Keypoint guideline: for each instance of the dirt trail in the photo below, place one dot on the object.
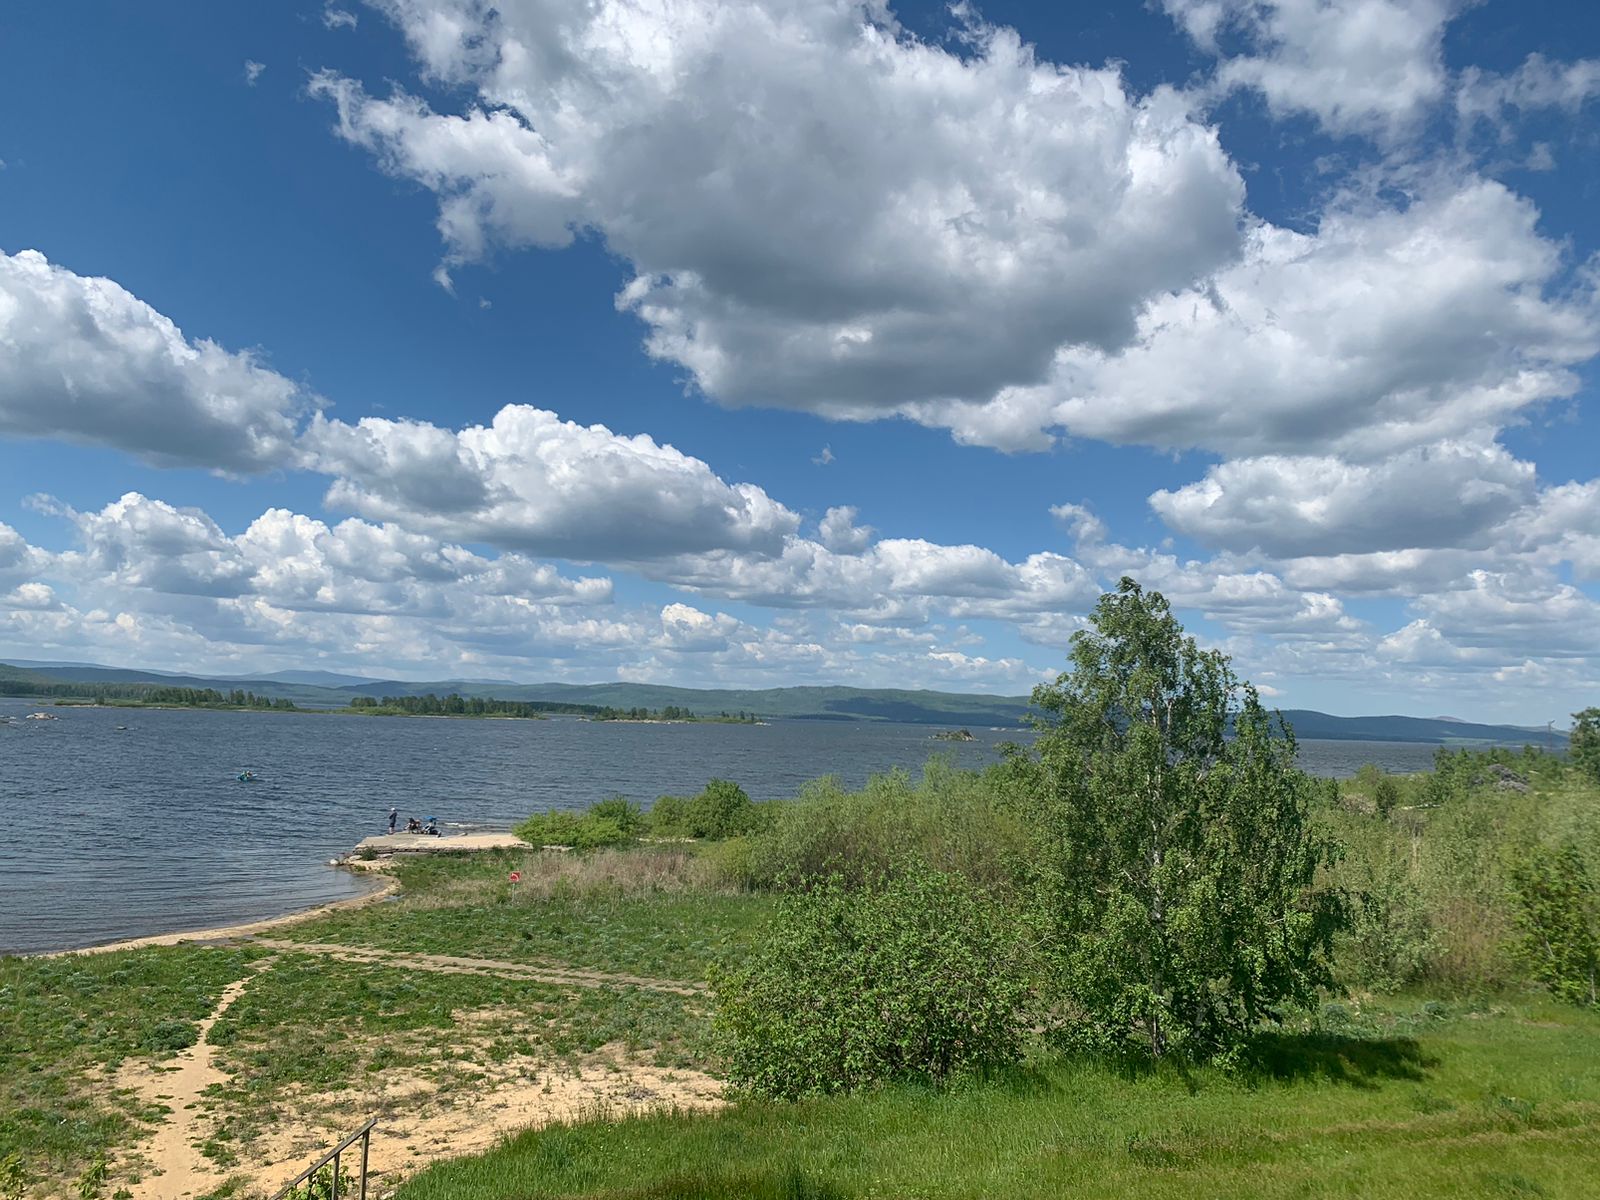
(176, 1168)
(453, 965)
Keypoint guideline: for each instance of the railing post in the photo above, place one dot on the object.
(335, 1159)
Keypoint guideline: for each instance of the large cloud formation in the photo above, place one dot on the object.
(820, 210)
(1385, 328)
(84, 360)
(298, 562)
(531, 481)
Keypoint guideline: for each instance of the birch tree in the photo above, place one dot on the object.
(1180, 850)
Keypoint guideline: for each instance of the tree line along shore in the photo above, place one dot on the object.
(143, 695)
(1144, 955)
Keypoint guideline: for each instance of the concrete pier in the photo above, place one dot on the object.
(427, 843)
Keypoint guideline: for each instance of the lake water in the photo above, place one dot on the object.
(127, 822)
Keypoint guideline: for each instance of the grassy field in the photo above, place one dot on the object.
(647, 911)
(1407, 1101)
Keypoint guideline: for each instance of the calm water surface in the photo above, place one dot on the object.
(126, 822)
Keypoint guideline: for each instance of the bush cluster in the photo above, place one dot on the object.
(581, 831)
(956, 821)
(912, 974)
(1475, 880)
(722, 810)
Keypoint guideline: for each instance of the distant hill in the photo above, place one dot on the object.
(326, 689)
(1444, 731)
(328, 679)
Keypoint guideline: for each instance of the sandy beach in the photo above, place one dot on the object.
(382, 888)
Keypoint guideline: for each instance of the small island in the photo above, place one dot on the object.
(453, 705)
(456, 705)
(674, 714)
(954, 735)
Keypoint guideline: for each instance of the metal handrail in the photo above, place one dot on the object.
(364, 1135)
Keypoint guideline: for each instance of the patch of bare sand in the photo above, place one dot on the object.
(171, 1164)
(420, 1122)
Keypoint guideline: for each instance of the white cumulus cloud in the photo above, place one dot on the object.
(820, 210)
(530, 481)
(1370, 67)
(1386, 328)
(1447, 495)
(83, 360)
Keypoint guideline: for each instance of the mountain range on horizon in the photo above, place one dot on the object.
(328, 689)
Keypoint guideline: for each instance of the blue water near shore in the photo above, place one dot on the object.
(127, 822)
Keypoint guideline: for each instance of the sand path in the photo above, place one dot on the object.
(176, 1167)
(454, 965)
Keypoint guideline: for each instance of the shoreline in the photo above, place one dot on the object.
(371, 872)
(384, 888)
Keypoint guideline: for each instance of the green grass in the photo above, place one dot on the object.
(65, 1026)
(1406, 1105)
(463, 905)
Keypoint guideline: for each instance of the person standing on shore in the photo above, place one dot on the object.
(394, 815)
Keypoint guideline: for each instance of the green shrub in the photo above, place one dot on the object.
(669, 816)
(581, 831)
(1386, 796)
(1585, 749)
(624, 813)
(1390, 942)
(731, 863)
(168, 1036)
(912, 975)
(1558, 915)
(13, 1177)
(722, 810)
(318, 1187)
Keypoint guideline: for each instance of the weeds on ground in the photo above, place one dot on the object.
(67, 1023)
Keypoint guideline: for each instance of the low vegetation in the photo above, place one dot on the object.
(915, 975)
(68, 1024)
(673, 713)
(657, 911)
(454, 705)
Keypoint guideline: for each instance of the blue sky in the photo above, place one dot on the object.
(806, 342)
